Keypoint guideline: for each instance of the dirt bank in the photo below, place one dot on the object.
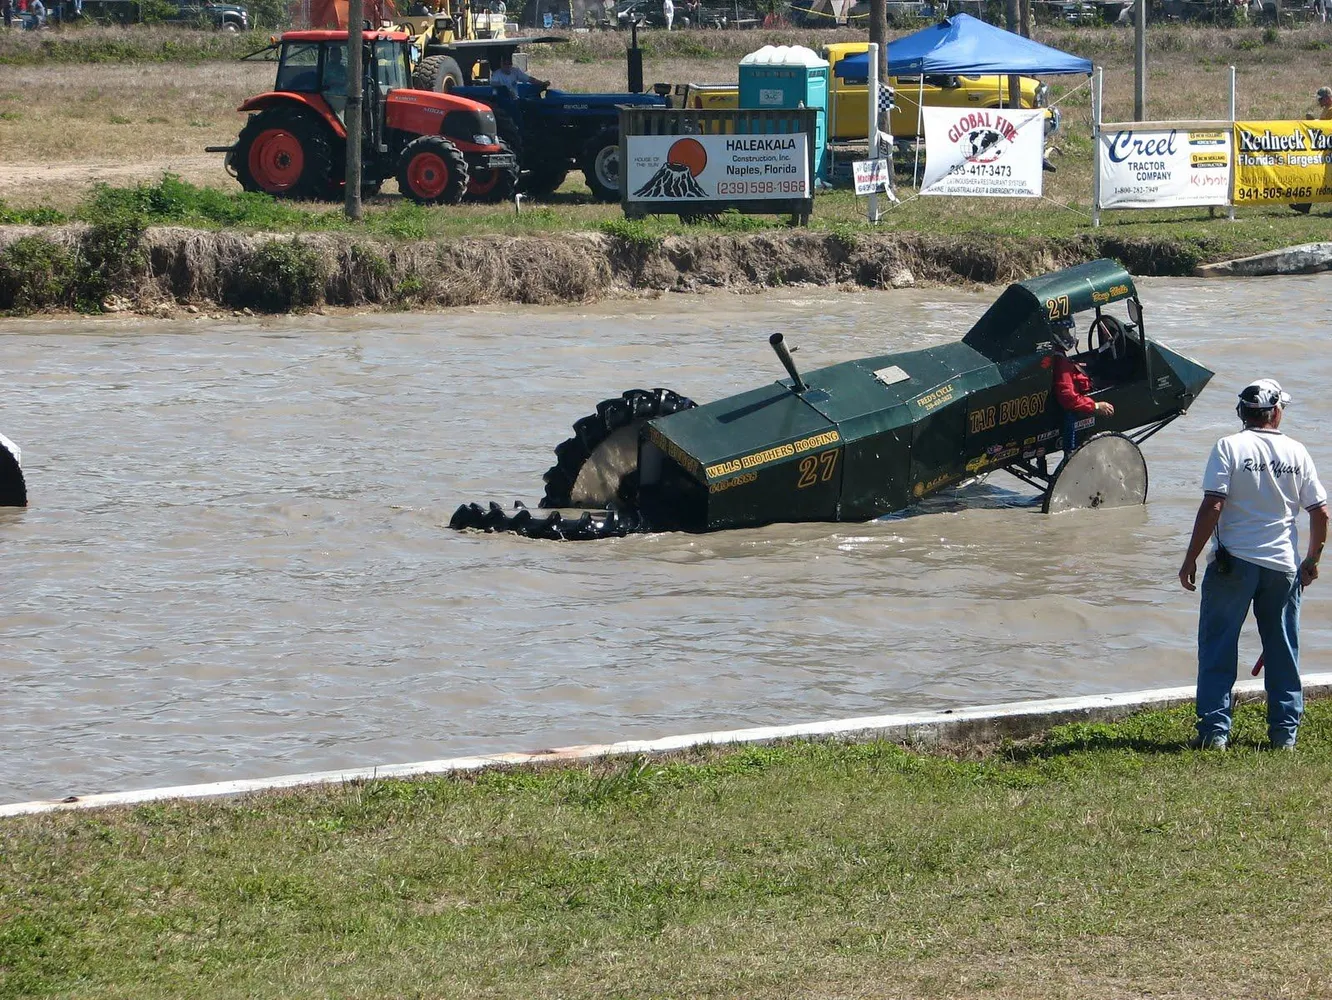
(161, 269)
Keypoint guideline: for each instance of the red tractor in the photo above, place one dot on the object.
(441, 148)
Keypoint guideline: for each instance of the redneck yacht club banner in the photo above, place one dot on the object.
(717, 167)
(1163, 168)
(984, 152)
(1283, 161)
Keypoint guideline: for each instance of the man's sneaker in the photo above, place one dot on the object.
(1213, 742)
(1282, 745)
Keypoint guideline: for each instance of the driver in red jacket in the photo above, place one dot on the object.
(1071, 381)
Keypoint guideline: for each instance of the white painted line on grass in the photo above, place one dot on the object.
(1013, 719)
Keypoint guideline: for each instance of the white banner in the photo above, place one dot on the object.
(717, 167)
(870, 175)
(1163, 168)
(983, 152)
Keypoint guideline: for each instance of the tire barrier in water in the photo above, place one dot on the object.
(598, 466)
(555, 526)
(13, 491)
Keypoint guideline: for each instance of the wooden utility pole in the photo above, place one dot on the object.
(1024, 18)
(1140, 62)
(878, 33)
(355, 70)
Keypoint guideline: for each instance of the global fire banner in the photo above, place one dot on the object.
(1163, 168)
(717, 167)
(1283, 161)
(983, 152)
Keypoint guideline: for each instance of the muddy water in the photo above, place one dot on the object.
(236, 561)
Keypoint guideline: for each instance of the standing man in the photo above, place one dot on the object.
(1254, 485)
(668, 12)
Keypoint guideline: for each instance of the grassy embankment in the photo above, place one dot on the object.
(64, 123)
(1100, 860)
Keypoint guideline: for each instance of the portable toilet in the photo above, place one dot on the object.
(789, 76)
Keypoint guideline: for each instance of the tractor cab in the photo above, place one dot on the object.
(319, 66)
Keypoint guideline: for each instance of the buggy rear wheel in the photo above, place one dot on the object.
(598, 466)
(1106, 470)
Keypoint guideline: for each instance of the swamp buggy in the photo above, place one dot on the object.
(865, 438)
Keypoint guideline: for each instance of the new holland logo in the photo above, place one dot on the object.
(675, 178)
(980, 135)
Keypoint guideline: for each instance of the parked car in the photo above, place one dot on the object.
(648, 13)
(222, 16)
(848, 110)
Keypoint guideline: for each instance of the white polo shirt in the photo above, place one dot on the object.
(1265, 478)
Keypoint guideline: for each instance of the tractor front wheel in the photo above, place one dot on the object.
(600, 164)
(283, 152)
(493, 184)
(432, 171)
(437, 73)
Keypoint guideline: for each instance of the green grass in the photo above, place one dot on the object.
(1099, 860)
(1189, 236)
(97, 44)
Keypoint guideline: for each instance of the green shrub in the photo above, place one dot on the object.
(36, 273)
(632, 234)
(280, 276)
(42, 215)
(111, 256)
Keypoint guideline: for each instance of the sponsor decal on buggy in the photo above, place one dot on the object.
(744, 479)
(921, 488)
(996, 454)
(735, 465)
(935, 398)
(674, 452)
(1010, 411)
(1084, 423)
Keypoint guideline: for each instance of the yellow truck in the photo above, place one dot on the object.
(848, 112)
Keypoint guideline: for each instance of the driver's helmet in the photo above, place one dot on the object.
(1064, 334)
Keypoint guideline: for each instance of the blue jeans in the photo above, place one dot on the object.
(1226, 597)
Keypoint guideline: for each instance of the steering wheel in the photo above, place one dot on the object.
(1110, 336)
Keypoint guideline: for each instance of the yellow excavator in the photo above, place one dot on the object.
(455, 43)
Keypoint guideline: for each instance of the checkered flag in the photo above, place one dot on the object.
(886, 102)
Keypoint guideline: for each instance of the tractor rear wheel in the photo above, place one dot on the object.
(493, 184)
(437, 73)
(600, 164)
(285, 153)
(432, 171)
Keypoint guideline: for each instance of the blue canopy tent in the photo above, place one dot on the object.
(965, 44)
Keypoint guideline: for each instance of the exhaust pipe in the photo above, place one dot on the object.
(784, 356)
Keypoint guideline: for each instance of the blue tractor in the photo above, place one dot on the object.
(556, 131)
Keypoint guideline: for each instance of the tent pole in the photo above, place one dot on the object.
(873, 83)
(920, 127)
(1231, 213)
(1096, 146)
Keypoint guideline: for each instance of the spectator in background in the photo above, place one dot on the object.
(7, 9)
(668, 12)
(1324, 99)
(1320, 10)
(38, 10)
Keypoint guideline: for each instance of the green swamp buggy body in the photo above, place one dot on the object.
(865, 438)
